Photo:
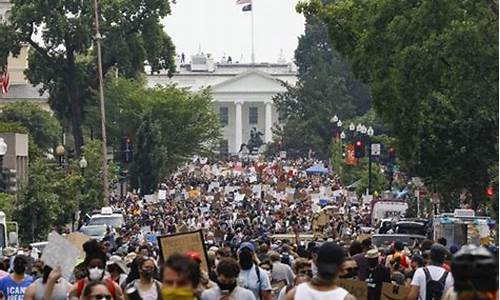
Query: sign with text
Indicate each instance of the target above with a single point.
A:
(182, 243)
(375, 149)
(356, 288)
(394, 292)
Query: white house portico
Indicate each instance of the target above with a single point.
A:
(242, 96)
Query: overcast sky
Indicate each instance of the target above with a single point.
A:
(220, 27)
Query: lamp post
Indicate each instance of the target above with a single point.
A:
(3, 151)
(83, 164)
(60, 153)
(370, 133)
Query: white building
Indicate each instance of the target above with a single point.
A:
(242, 93)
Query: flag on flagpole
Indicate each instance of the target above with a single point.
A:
(247, 7)
(243, 1)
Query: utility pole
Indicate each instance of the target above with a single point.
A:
(98, 38)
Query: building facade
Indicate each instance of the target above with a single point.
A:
(242, 94)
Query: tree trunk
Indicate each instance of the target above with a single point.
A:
(74, 97)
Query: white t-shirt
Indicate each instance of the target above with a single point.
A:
(249, 280)
(238, 293)
(304, 292)
(436, 273)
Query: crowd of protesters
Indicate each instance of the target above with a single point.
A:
(253, 216)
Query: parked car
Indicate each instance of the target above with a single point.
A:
(96, 232)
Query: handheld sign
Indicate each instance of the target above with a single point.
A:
(394, 292)
(356, 288)
(182, 243)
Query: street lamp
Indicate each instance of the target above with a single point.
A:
(363, 129)
(83, 165)
(352, 127)
(60, 153)
(342, 135)
(359, 128)
(370, 131)
(334, 119)
(339, 124)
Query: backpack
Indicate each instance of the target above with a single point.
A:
(80, 285)
(434, 288)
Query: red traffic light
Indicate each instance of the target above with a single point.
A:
(490, 192)
(359, 143)
(392, 151)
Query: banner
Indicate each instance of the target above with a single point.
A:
(350, 158)
(182, 243)
(60, 252)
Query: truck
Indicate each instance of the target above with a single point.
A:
(463, 227)
(387, 209)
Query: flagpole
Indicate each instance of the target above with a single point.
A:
(253, 43)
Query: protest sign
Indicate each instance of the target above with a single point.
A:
(60, 252)
(355, 287)
(78, 239)
(162, 195)
(394, 292)
(182, 243)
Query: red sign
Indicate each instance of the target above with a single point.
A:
(350, 158)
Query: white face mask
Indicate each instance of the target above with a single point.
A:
(96, 273)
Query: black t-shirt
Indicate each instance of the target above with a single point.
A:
(375, 279)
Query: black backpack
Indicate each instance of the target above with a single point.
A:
(434, 288)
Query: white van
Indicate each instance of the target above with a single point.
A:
(107, 217)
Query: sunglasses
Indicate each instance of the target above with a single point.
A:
(101, 297)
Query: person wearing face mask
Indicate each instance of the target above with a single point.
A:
(253, 277)
(349, 269)
(95, 262)
(117, 270)
(14, 286)
(146, 287)
(377, 274)
(227, 287)
(181, 277)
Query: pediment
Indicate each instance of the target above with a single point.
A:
(252, 81)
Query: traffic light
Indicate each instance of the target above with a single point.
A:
(127, 150)
(359, 149)
(392, 154)
(490, 192)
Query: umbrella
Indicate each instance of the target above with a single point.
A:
(317, 169)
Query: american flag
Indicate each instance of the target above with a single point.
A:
(243, 1)
(4, 81)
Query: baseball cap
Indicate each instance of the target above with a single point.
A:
(330, 257)
(248, 246)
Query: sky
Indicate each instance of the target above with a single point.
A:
(220, 27)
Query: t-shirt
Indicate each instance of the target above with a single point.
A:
(436, 273)
(12, 290)
(238, 293)
(248, 279)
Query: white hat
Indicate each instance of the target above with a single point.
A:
(117, 260)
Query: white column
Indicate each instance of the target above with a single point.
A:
(238, 126)
(269, 122)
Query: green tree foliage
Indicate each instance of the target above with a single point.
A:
(167, 126)
(432, 67)
(62, 57)
(326, 87)
(42, 126)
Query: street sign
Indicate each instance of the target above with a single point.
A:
(283, 154)
(375, 149)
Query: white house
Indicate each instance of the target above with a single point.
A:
(242, 94)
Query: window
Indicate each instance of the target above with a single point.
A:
(253, 115)
(224, 147)
(224, 115)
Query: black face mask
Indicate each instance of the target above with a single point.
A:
(147, 274)
(308, 273)
(19, 269)
(372, 262)
(246, 260)
(227, 286)
(351, 273)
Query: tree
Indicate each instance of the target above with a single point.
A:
(325, 87)
(62, 56)
(42, 126)
(432, 67)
